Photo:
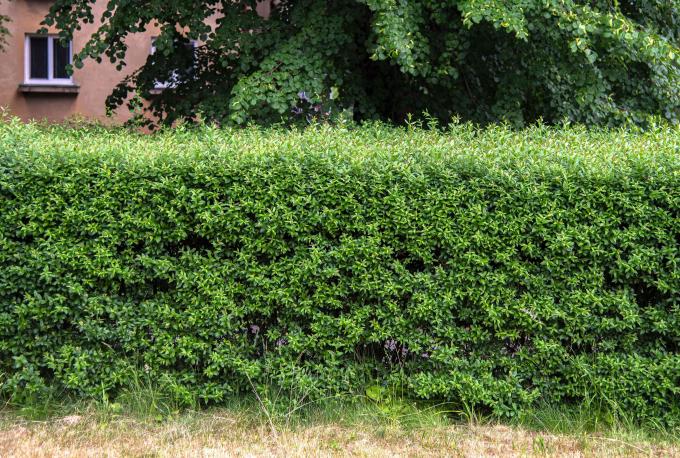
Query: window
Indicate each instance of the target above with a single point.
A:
(175, 77)
(46, 59)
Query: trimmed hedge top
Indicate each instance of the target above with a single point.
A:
(537, 148)
(488, 268)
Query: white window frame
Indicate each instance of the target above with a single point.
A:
(160, 85)
(51, 80)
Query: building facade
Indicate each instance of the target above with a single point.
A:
(34, 84)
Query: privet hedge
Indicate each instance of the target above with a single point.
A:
(492, 268)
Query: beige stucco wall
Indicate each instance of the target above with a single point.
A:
(95, 80)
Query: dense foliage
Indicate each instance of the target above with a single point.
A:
(488, 268)
(595, 62)
(4, 31)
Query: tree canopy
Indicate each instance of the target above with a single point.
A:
(598, 62)
(4, 31)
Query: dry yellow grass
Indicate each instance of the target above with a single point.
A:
(224, 434)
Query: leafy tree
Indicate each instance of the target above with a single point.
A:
(4, 31)
(596, 62)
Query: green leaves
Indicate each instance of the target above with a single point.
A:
(4, 31)
(517, 61)
(508, 15)
(487, 268)
(375, 393)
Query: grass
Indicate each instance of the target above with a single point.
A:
(143, 422)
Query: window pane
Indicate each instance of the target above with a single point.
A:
(61, 59)
(38, 57)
